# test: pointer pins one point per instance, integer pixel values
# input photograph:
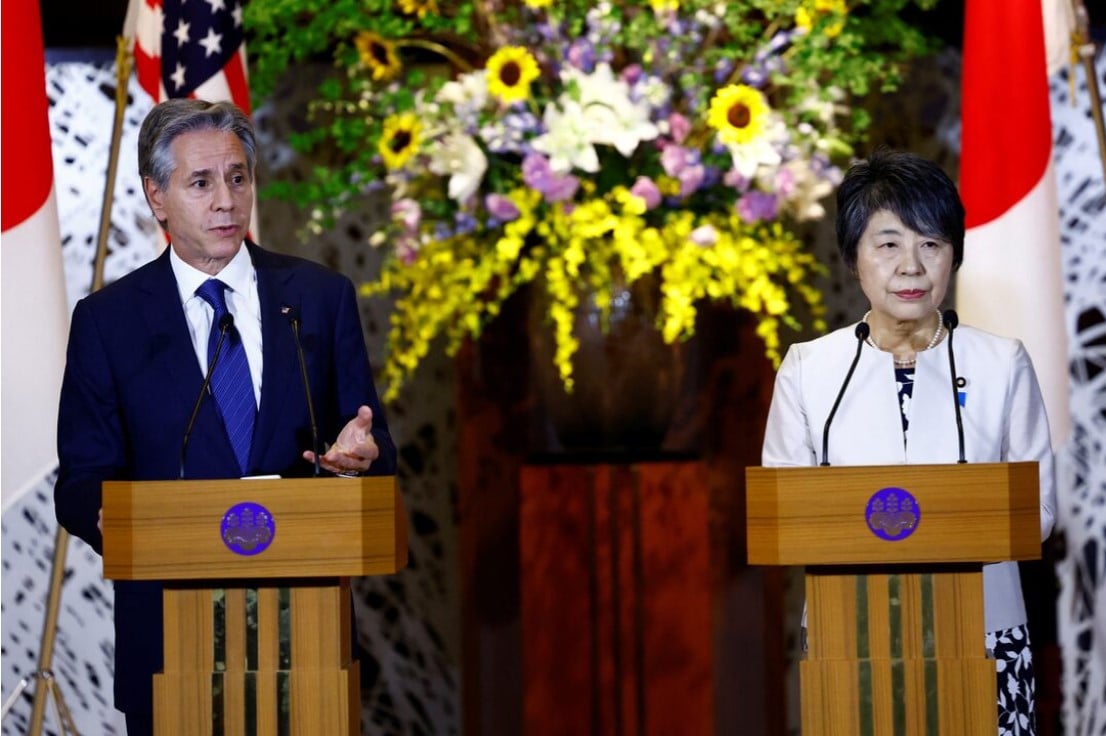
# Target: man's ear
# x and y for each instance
(155, 197)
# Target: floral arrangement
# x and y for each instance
(581, 146)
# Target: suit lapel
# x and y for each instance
(933, 414)
(872, 432)
(279, 367)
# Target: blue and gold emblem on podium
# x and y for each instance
(248, 528)
(892, 514)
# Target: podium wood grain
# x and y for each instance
(895, 629)
(331, 527)
(256, 644)
(978, 512)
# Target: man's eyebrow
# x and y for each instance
(237, 166)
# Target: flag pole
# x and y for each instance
(123, 63)
(48, 683)
(1082, 48)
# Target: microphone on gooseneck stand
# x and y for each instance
(294, 320)
(951, 320)
(862, 332)
(226, 323)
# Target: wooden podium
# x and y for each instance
(258, 611)
(894, 586)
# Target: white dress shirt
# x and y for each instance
(242, 302)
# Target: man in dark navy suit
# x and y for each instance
(139, 350)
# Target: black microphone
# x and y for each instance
(862, 331)
(226, 324)
(951, 320)
(294, 320)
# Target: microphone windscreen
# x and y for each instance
(226, 321)
(950, 319)
(862, 330)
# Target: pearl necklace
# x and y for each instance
(910, 361)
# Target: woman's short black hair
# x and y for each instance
(912, 187)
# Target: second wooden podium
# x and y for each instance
(257, 622)
(894, 586)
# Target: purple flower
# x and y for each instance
(691, 178)
(465, 223)
(501, 208)
(712, 177)
(408, 213)
(785, 181)
(581, 54)
(631, 74)
(722, 70)
(645, 188)
(407, 250)
(780, 42)
(767, 61)
(755, 76)
(679, 127)
(735, 180)
(508, 134)
(683, 164)
(442, 231)
(675, 159)
(757, 206)
(538, 175)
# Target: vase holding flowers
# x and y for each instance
(627, 380)
(577, 145)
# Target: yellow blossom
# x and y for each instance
(400, 140)
(811, 11)
(511, 69)
(419, 8)
(377, 55)
(739, 113)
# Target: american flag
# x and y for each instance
(190, 49)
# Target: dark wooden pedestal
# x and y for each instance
(612, 596)
(616, 599)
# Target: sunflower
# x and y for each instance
(739, 113)
(510, 72)
(421, 8)
(811, 11)
(400, 139)
(377, 55)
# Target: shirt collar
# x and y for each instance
(237, 274)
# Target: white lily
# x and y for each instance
(459, 157)
(614, 118)
(468, 90)
(567, 140)
(763, 150)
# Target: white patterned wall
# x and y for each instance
(1081, 609)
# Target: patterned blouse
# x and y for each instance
(904, 377)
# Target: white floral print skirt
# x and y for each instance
(1016, 682)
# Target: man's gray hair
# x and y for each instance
(172, 118)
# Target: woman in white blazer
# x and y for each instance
(900, 229)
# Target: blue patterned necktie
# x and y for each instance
(231, 382)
